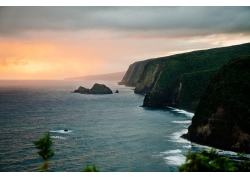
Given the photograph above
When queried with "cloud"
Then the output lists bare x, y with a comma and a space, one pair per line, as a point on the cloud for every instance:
131, 21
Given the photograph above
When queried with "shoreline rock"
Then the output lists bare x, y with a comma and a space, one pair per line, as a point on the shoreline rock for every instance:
96, 89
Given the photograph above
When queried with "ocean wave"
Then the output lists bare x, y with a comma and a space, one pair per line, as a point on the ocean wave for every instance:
171, 151
61, 131
176, 137
188, 146
181, 122
175, 160
57, 137
188, 114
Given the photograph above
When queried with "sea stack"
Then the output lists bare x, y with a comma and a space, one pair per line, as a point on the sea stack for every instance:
96, 89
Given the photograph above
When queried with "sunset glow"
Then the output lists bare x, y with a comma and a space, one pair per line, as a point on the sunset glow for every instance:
57, 43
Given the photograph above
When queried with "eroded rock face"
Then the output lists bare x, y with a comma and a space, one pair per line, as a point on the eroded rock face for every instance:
96, 89
222, 117
220, 133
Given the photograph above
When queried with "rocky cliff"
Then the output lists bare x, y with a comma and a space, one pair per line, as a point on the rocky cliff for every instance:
133, 74
222, 116
179, 80
149, 76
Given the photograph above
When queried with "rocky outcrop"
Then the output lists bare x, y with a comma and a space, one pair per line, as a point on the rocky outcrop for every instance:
116, 91
96, 89
222, 117
133, 74
82, 90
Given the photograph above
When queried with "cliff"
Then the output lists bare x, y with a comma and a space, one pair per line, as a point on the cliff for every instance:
149, 76
222, 116
179, 80
133, 74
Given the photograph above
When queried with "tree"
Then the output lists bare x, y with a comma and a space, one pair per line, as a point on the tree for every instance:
211, 161
89, 169
44, 146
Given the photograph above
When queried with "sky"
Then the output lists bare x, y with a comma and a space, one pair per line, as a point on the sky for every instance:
53, 43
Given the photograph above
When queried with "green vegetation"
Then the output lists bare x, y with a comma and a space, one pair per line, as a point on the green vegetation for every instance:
194, 85
149, 76
90, 169
222, 117
193, 69
44, 146
211, 161
133, 74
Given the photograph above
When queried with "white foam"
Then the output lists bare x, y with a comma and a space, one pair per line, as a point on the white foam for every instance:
188, 146
57, 137
175, 160
181, 122
176, 137
171, 151
188, 114
61, 131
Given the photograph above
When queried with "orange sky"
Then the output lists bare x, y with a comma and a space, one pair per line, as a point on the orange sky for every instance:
43, 51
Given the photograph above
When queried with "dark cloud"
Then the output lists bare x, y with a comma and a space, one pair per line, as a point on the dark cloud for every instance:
166, 21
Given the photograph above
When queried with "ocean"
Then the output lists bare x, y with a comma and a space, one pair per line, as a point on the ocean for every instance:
111, 131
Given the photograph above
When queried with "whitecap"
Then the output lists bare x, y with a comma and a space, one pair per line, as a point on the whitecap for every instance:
61, 131
57, 137
188, 146
175, 160
188, 114
171, 151
176, 137
181, 122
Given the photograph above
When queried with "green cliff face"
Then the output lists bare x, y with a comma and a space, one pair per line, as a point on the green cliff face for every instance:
149, 76
133, 74
222, 116
183, 77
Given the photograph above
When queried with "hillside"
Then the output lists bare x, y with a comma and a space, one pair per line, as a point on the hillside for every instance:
179, 80
133, 74
222, 117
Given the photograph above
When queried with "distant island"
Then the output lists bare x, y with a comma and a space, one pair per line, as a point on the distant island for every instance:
111, 76
96, 89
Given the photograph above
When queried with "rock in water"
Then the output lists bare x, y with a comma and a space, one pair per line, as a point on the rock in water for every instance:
96, 89
222, 117
82, 90
100, 89
116, 91
65, 130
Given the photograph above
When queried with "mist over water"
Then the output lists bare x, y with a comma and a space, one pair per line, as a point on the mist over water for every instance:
110, 131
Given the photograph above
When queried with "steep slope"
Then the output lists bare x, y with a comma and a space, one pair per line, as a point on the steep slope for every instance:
222, 117
149, 76
133, 74
183, 74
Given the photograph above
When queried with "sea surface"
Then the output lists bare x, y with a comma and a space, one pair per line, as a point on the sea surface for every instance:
111, 131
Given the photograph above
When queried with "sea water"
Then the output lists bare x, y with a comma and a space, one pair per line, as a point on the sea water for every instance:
111, 131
